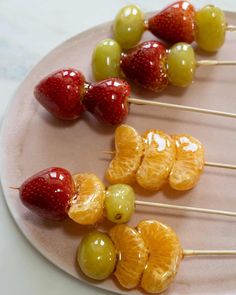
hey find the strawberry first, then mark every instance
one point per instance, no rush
(107, 100)
(48, 193)
(61, 93)
(146, 65)
(175, 23)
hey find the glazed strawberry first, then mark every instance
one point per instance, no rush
(107, 100)
(48, 193)
(61, 93)
(175, 23)
(146, 65)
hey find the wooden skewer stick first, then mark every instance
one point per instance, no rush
(231, 28)
(209, 62)
(189, 253)
(180, 107)
(185, 208)
(209, 164)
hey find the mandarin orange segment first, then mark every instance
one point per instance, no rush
(88, 203)
(189, 162)
(128, 153)
(132, 255)
(159, 157)
(165, 254)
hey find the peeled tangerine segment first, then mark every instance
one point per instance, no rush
(159, 157)
(132, 255)
(87, 205)
(128, 153)
(165, 254)
(189, 162)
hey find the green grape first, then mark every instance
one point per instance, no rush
(181, 64)
(129, 26)
(96, 255)
(210, 28)
(119, 203)
(106, 59)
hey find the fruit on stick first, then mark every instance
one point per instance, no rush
(86, 207)
(132, 255)
(61, 93)
(165, 255)
(178, 22)
(48, 193)
(107, 100)
(119, 203)
(177, 159)
(148, 256)
(96, 255)
(129, 150)
(106, 59)
(189, 162)
(129, 26)
(158, 159)
(53, 193)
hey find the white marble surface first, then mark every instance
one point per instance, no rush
(29, 30)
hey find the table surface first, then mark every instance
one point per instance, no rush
(28, 31)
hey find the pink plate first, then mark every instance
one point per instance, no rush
(32, 140)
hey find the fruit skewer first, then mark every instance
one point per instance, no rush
(150, 64)
(155, 158)
(55, 194)
(179, 22)
(147, 256)
(66, 95)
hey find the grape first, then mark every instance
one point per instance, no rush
(119, 203)
(129, 26)
(96, 255)
(210, 28)
(181, 64)
(106, 59)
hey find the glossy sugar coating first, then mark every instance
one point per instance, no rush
(119, 203)
(165, 254)
(128, 153)
(96, 255)
(181, 64)
(189, 162)
(129, 26)
(48, 193)
(106, 60)
(210, 28)
(132, 255)
(146, 65)
(158, 160)
(88, 202)
(175, 23)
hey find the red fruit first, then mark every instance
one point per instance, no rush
(48, 193)
(61, 93)
(107, 100)
(175, 23)
(146, 65)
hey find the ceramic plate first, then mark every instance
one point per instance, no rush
(32, 140)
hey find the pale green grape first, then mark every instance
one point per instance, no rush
(129, 26)
(106, 59)
(181, 64)
(96, 255)
(210, 28)
(119, 203)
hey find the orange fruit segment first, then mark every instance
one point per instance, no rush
(159, 157)
(87, 205)
(128, 153)
(165, 254)
(189, 162)
(132, 255)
